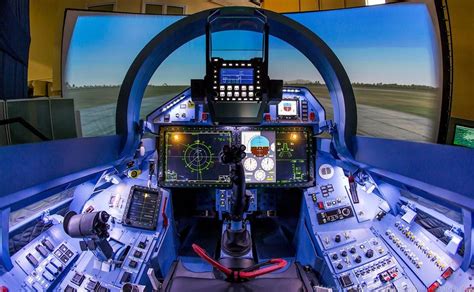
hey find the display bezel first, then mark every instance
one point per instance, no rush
(126, 213)
(310, 155)
(289, 117)
(235, 138)
(162, 157)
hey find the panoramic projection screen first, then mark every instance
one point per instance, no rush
(390, 52)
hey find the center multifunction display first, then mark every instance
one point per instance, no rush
(274, 156)
(236, 81)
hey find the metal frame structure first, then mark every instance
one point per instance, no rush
(193, 26)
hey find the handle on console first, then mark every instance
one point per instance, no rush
(249, 273)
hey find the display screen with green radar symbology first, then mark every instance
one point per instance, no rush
(193, 157)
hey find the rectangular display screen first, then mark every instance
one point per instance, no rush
(192, 157)
(236, 76)
(276, 156)
(288, 108)
(464, 136)
(142, 208)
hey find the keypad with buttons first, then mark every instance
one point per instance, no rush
(236, 92)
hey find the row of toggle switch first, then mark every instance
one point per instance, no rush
(373, 267)
(403, 248)
(432, 256)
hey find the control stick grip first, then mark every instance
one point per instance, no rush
(233, 155)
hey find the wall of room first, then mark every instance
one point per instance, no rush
(46, 18)
(311, 5)
(14, 43)
(462, 29)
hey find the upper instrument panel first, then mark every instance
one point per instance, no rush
(297, 107)
(236, 81)
(276, 156)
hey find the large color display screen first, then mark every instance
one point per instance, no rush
(193, 157)
(276, 156)
(390, 52)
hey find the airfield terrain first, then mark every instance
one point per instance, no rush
(397, 113)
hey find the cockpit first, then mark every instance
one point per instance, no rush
(244, 183)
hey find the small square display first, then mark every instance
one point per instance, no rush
(288, 108)
(464, 136)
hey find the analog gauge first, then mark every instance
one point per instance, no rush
(250, 164)
(268, 164)
(260, 175)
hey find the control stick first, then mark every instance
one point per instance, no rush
(236, 239)
(93, 229)
(240, 202)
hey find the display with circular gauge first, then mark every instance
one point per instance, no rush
(197, 156)
(259, 146)
(268, 164)
(260, 165)
(260, 175)
(250, 164)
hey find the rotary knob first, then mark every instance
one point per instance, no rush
(334, 256)
(352, 250)
(339, 266)
(369, 253)
(358, 259)
(344, 253)
(337, 238)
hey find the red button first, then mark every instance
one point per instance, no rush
(204, 116)
(447, 273)
(312, 116)
(433, 287)
(321, 205)
(3, 289)
(267, 117)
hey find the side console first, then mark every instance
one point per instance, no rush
(41, 264)
(366, 248)
(359, 260)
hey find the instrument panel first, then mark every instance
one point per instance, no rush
(297, 107)
(275, 156)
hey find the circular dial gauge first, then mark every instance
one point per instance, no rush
(268, 164)
(250, 164)
(260, 175)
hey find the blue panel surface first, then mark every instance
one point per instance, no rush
(29, 165)
(443, 166)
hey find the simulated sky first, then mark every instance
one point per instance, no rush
(379, 44)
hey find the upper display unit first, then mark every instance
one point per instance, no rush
(275, 156)
(236, 81)
(236, 90)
